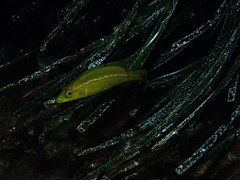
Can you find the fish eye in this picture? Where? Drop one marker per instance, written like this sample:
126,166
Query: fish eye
69,93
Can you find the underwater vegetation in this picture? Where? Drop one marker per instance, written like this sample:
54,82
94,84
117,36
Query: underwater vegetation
183,123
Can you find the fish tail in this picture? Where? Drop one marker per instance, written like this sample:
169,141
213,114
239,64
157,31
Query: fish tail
142,75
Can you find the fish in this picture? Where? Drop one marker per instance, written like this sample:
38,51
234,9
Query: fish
99,79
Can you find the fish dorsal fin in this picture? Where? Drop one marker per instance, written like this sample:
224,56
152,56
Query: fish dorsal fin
116,63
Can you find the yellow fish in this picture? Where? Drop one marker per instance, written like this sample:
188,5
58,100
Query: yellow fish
97,80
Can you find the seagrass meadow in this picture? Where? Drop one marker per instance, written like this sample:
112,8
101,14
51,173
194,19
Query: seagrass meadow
184,123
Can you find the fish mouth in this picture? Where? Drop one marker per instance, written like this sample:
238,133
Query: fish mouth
61,99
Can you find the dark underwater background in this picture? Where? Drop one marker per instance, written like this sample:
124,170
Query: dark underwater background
182,124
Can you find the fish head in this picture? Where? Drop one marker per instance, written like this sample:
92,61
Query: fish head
67,94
